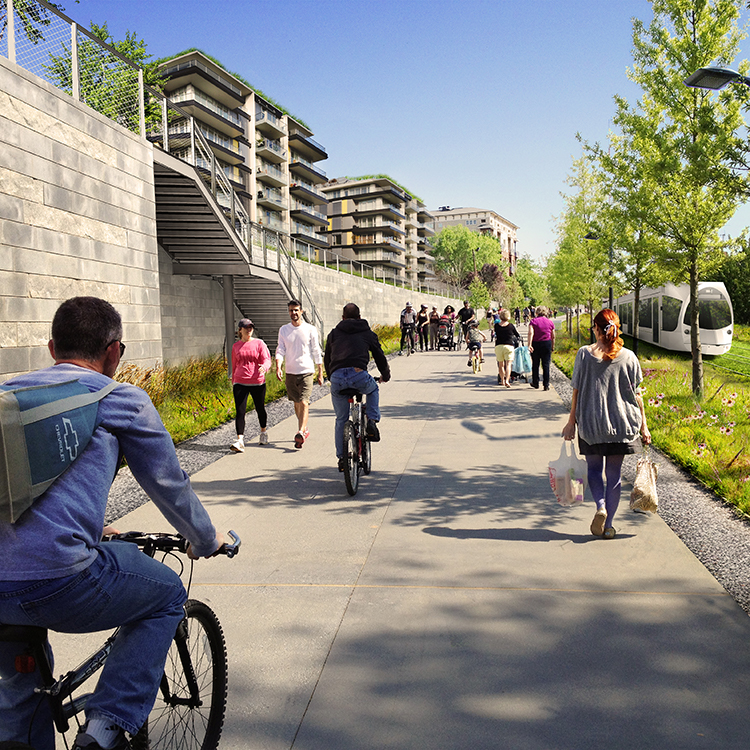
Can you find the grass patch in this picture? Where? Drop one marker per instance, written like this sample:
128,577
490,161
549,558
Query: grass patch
194,396
710,439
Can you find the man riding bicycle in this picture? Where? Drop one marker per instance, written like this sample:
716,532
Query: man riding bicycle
408,323
56,573
466,314
347,355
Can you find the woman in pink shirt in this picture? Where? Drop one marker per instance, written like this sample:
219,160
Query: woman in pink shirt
541,343
251,360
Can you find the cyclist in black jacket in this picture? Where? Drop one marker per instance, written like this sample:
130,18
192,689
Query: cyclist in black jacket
346,357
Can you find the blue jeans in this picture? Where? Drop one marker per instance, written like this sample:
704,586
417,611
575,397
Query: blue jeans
122,587
362,381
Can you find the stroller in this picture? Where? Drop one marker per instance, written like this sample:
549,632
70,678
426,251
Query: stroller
445,334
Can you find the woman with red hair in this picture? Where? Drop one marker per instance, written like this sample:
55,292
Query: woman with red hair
608,410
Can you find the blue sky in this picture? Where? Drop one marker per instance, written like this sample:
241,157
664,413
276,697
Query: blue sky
464,102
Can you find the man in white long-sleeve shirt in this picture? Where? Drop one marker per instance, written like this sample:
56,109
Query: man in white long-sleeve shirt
300,347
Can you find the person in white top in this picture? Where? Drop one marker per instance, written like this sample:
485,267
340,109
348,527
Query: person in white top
299,347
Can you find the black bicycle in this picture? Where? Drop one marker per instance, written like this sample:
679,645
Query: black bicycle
189,710
357,446
409,336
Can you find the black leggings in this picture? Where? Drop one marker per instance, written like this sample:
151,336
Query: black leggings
241,392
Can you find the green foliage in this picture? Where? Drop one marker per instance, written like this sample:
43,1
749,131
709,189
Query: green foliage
735,273
458,251
532,282
108,84
34,18
479,295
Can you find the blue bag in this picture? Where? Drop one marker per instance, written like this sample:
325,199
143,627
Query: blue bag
522,360
43,429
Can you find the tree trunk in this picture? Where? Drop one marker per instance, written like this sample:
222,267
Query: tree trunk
578,323
695,337
636,304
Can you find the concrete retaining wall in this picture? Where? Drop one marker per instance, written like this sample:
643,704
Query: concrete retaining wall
77,217
379,303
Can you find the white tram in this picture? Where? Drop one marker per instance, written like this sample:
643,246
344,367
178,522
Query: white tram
664,316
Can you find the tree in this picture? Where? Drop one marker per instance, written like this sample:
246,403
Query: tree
735,273
34,18
108,84
687,139
479,295
458,251
531,280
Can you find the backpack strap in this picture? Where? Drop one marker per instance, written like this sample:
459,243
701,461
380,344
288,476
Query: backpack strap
53,408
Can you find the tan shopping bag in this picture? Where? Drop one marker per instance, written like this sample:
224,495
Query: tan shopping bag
644,497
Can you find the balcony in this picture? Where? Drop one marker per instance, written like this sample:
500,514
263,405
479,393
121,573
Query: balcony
387,211
426,229
306,146
381,257
270,150
307,191
271,219
306,169
270,174
387,227
271,198
307,233
269,124
308,213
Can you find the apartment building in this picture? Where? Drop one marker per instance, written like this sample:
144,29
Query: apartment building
373,220
269,156
483,221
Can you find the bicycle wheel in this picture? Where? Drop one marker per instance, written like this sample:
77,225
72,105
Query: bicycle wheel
474,363
180,719
351,465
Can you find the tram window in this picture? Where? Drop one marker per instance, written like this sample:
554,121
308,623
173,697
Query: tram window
670,313
712,314
644,313
626,314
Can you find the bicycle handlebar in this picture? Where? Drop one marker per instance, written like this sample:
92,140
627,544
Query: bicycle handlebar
151,543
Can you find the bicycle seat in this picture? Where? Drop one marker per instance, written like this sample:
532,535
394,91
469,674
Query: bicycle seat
23,633
350,392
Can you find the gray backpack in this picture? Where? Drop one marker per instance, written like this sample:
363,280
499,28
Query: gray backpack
43,429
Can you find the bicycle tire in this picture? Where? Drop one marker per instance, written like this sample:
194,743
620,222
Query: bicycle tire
351,464
171,726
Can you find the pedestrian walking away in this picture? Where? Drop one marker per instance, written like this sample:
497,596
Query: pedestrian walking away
251,360
348,349
56,573
607,408
541,342
506,340
299,349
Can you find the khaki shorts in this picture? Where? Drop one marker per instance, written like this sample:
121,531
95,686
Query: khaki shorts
504,352
299,387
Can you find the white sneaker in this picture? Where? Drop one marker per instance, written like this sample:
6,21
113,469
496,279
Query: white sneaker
263,439
238,447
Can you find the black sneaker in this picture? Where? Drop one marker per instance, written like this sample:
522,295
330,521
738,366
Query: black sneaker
373,434
85,741
342,465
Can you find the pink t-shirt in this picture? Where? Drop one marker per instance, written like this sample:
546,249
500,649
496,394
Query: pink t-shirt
543,328
248,357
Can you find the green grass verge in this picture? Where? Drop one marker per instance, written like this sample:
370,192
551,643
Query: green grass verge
709,439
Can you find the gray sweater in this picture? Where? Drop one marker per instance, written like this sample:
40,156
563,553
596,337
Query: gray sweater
607,410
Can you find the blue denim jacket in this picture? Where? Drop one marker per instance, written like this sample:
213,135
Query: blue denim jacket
57,535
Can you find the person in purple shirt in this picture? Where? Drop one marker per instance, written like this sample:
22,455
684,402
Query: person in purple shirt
56,573
541,344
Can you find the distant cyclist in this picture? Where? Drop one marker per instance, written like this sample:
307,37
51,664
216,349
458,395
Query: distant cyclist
474,339
466,314
347,355
55,573
408,324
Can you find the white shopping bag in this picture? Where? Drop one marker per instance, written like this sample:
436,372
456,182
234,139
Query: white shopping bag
568,476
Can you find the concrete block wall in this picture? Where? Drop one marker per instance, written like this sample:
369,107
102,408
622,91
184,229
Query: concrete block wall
380,304
192,314
77,217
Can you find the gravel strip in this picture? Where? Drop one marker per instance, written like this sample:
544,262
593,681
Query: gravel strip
710,528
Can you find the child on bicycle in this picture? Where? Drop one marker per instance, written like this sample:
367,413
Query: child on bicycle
474,339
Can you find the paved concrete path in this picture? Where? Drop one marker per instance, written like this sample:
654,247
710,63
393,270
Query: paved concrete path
452,604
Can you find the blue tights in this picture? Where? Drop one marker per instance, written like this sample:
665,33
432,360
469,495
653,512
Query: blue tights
607,499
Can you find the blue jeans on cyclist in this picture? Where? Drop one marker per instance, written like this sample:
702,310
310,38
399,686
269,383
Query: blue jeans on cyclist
121,587
359,380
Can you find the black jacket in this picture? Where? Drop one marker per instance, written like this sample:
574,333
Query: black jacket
349,345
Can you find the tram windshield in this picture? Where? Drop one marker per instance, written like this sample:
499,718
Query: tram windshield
712,314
